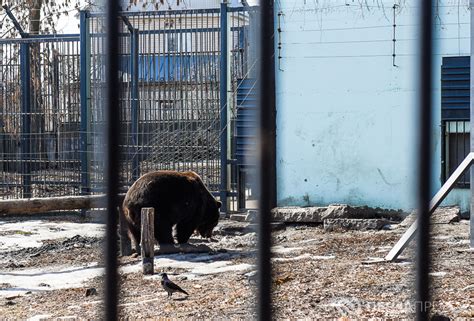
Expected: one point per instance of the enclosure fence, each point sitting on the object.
(39, 117)
(179, 75)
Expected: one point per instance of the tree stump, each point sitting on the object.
(148, 239)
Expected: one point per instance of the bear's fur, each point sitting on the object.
(179, 198)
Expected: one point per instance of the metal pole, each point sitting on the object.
(85, 78)
(17, 25)
(423, 303)
(472, 122)
(25, 118)
(112, 158)
(135, 104)
(223, 108)
(267, 150)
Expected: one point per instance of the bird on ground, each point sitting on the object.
(169, 286)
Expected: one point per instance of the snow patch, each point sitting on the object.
(284, 250)
(304, 256)
(52, 278)
(49, 278)
(20, 235)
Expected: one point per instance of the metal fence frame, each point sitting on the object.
(22, 109)
(233, 34)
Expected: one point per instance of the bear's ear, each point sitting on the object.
(219, 204)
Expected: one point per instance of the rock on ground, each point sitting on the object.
(335, 211)
(354, 224)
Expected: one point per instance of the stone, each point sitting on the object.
(446, 215)
(359, 212)
(298, 214)
(319, 214)
(238, 217)
(354, 224)
(442, 215)
(251, 216)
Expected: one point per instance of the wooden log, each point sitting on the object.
(125, 244)
(148, 239)
(26, 206)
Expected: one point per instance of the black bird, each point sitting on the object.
(169, 286)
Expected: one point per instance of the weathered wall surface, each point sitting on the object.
(346, 117)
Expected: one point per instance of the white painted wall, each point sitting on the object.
(346, 117)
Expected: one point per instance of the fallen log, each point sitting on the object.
(26, 206)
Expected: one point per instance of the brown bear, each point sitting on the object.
(179, 198)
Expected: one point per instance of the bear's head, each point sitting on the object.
(210, 219)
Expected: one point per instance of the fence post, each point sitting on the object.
(148, 239)
(223, 133)
(135, 104)
(25, 118)
(85, 101)
(471, 5)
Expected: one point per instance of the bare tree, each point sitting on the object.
(39, 16)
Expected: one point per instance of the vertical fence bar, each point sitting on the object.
(223, 108)
(267, 160)
(423, 303)
(471, 6)
(444, 135)
(26, 118)
(134, 104)
(85, 50)
(112, 157)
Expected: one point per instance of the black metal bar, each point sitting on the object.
(223, 108)
(127, 23)
(25, 118)
(267, 161)
(85, 94)
(56, 36)
(159, 13)
(17, 25)
(423, 303)
(111, 157)
(444, 135)
(34, 39)
(135, 103)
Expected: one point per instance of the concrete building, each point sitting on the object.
(347, 101)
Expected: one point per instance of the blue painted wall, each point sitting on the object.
(346, 117)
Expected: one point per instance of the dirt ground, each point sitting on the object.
(316, 274)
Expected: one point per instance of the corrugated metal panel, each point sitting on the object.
(455, 88)
(246, 122)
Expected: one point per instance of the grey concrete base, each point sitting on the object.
(354, 224)
(298, 214)
(442, 215)
(319, 214)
